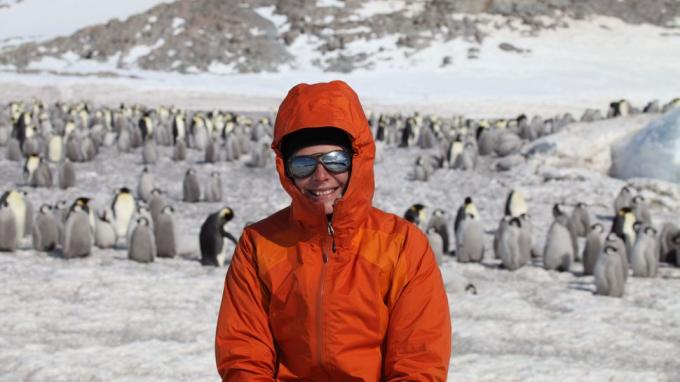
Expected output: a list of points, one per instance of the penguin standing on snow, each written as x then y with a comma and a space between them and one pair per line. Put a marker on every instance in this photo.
142, 246
593, 248
78, 238
623, 199
67, 174
644, 259
470, 240
213, 232
123, 207
8, 228
16, 201
191, 188
145, 185
105, 231
558, 253
45, 230
468, 208
608, 279
213, 190
438, 222
512, 256
164, 233
581, 219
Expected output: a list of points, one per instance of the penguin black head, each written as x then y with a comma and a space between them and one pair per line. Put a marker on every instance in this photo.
143, 221
168, 210
556, 211
610, 250
638, 199
45, 208
468, 200
515, 222
651, 231
124, 190
597, 226
226, 214
156, 191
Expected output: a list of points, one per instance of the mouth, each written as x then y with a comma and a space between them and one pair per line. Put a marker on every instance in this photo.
321, 194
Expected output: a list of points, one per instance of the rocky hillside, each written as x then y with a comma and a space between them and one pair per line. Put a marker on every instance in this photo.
228, 36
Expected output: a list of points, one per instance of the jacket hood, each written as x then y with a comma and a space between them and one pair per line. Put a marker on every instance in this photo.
331, 104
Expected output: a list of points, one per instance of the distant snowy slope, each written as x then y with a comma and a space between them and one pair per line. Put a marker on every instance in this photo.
39, 20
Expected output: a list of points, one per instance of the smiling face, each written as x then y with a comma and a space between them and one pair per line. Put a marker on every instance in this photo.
322, 187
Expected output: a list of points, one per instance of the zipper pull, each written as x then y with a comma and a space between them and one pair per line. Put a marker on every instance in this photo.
331, 232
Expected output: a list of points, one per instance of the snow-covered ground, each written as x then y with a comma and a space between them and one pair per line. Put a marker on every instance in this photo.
104, 318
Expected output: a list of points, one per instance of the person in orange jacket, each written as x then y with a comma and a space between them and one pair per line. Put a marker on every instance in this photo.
331, 288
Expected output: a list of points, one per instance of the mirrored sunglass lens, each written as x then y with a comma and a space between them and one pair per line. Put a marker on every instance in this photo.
336, 161
302, 166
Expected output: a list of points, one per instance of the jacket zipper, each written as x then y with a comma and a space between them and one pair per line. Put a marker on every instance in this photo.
319, 301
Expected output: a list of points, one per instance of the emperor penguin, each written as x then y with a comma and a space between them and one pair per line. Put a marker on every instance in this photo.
30, 166
417, 215
667, 250
146, 127
45, 230
211, 237
436, 243
232, 150
439, 222
91, 217
78, 238
507, 143
42, 176
561, 217
191, 188
149, 152
141, 210
608, 278
180, 152
145, 185
468, 209
124, 142
623, 199
644, 258
614, 240
515, 204
67, 174
17, 202
212, 154
164, 233
512, 256
420, 171
9, 238
142, 247
594, 244
178, 129
641, 210
156, 203
623, 226
525, 238
454, 151
13, 152
498, 235
55, 149
558, 253
123, 207
105, 231
213, 190
580, 219
470, 240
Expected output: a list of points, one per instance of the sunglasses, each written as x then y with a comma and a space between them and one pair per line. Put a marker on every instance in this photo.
302, 166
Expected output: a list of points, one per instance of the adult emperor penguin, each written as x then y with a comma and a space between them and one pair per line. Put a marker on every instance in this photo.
580, 219
105, 231
145, 185
211, 237
498, 235
623, 199
67, 174
164, 233
416, 214
78, 235
641, 210
467, 210
8, 228
558, 253
623, 226
17, 202
213, 190
594, 244
470, 240
191, 188
142, 247
146, 127
439, 222
512, 256
123, 207
644, 258
608, 278
30, 166
178, 129
515, 204
45, 230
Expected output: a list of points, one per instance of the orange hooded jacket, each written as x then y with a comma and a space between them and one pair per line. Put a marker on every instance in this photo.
358, 299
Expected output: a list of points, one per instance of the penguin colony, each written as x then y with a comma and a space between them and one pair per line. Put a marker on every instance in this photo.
49, 143
60, 137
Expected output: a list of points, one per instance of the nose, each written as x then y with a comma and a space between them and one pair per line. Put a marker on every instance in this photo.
320, 173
